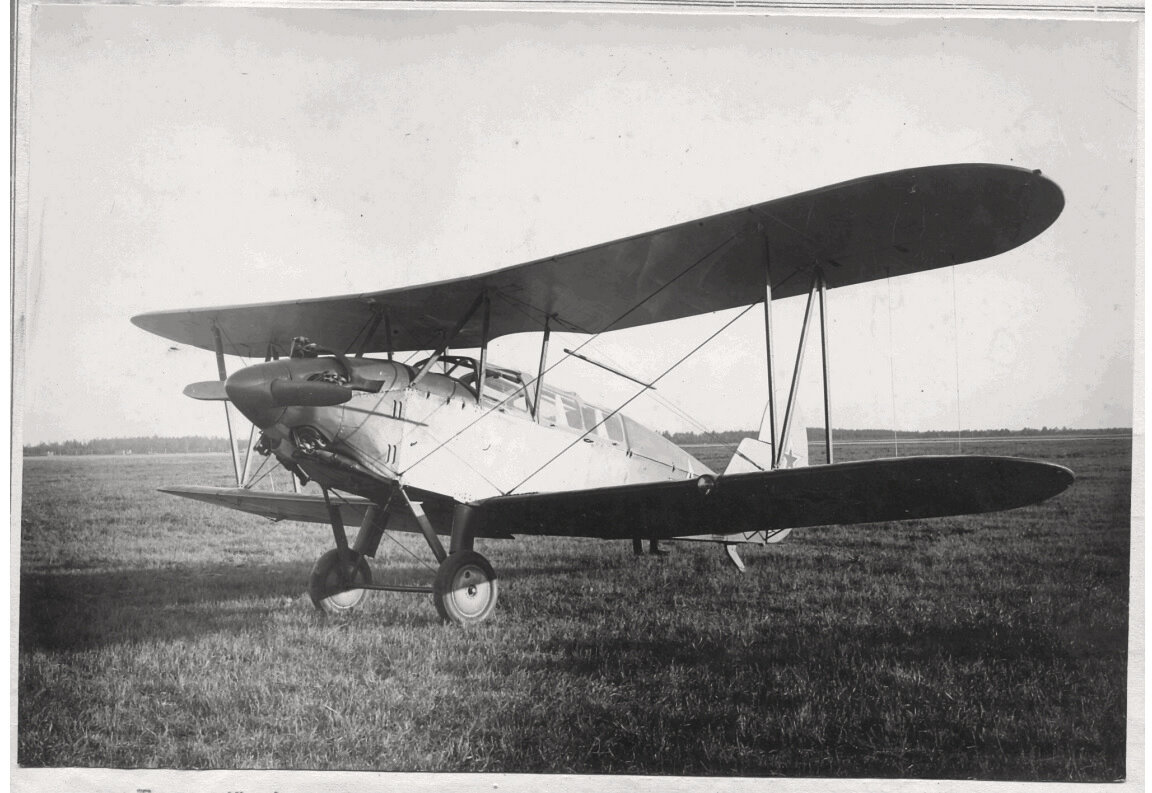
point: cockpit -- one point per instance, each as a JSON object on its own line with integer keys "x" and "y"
{"x": 514, "y": 392}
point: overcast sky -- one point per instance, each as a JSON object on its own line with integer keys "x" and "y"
{"x": 184, "y": 156}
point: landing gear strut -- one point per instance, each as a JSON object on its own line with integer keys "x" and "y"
{"x": 341, "y": 577}
{"x": 464, "y": 591}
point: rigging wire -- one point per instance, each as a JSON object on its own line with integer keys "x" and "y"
{"x": 388, "y": 534}
{"x": 582, "y": 345}
{"x": 681, "y": 412}
{"x": 255, "y": 479}
{"x": 409, "y": 551}
{"x": 635, "y": 396}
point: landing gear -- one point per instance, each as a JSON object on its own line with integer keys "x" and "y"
{"x": 332, "y": 585}
{"x": 465, "y": 590}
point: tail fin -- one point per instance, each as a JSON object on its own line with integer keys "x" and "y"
{"x": 753, "y": 455}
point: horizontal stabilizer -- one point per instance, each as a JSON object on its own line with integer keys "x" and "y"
{"x": 751, "y": 455}
{"x": 756, "y": 455}
{"x": 870, "y": 491}
{"x": 208, "y": 390}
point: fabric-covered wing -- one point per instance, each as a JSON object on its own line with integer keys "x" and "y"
{"x": 869, "y": 491}
{"x": 311, "y": 508}
{"x": 274, "y": 506}
{"x": 877, "y": 226}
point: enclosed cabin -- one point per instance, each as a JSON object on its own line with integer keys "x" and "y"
{"x": 514, "y": 393}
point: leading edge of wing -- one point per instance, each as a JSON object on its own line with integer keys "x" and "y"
{"x": 303, "y": 507}
{"x": 311, "y": 508}
{"x": 869, "y": 491}
{"x": 856, "y": 231}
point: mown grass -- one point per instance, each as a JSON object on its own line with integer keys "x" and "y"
{"x": 157, "y": 632}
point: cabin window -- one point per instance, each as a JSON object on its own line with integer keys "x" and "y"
{"x": 615, "y": 428}
{"x": 497, "y": 388}
{"x": 547, "y": 410}
{"x": 571, "y": 413}
{"x": 592, "y": 420}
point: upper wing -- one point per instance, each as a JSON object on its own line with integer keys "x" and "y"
{"x": 843, "y": 493}
{"x": 857, "y": 231}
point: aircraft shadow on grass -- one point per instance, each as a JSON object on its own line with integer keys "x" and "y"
{"x": 80, "y": 610}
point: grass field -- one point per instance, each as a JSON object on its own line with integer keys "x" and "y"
{"x": 157, "y": 632}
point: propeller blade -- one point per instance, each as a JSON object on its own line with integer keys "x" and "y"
{"x": 208, "y": 390}
{"x": 308, "y": 393}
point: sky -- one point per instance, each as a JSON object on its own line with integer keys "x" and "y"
{"x": 192, "y": 156}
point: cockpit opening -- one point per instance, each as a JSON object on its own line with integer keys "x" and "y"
{"x": 515, "y": 391}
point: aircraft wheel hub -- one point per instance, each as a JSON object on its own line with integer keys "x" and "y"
{"x": 332, "y": 579}
{"x": 466, "y": 589}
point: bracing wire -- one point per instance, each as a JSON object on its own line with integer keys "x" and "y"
{"x": 409, "y": 551}
{"x": 635, "y": 396}
{"x": 681, "y": 412}
{"x": 388, "y": 534}
{"x": 256, "y": 477}
{"x": 709, "y": 254}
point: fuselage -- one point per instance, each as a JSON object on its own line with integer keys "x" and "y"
{"x": 433, "y": 433}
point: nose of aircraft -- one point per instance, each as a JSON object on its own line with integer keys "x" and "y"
{"x": 262, "y": 392}
{"x": 250, "y": 390}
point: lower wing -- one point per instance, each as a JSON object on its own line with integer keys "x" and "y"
{"x": 869, "y": 491}
{"x": 310, "y": 508}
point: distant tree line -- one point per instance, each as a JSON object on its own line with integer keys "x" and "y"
{"x": 817, "y": 434}
{"x": 190, "y": 444}
{"x": 152, "y": 445}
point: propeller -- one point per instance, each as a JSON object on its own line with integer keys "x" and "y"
{"x": 283, "y": 392}
{"x": 207, "y": 390}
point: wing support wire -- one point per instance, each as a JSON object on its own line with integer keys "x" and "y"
{"x": 817, "y": 290}
{"x": 770, "y": 409}
{"x": 592, "y": 336}
{"x": 795, "y": 387}
{"x": 631, "y": 399}
{"x": 816, "y": 294}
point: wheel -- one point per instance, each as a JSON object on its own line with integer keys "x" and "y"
{"x": 331, "y": 577}
{"x": 465, "y": 590}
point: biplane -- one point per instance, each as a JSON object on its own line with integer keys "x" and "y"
{"x": 453, "y": 446}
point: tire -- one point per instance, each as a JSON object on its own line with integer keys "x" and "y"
{"x": 465, "y": 590}
{"x": 328, "y": 588}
